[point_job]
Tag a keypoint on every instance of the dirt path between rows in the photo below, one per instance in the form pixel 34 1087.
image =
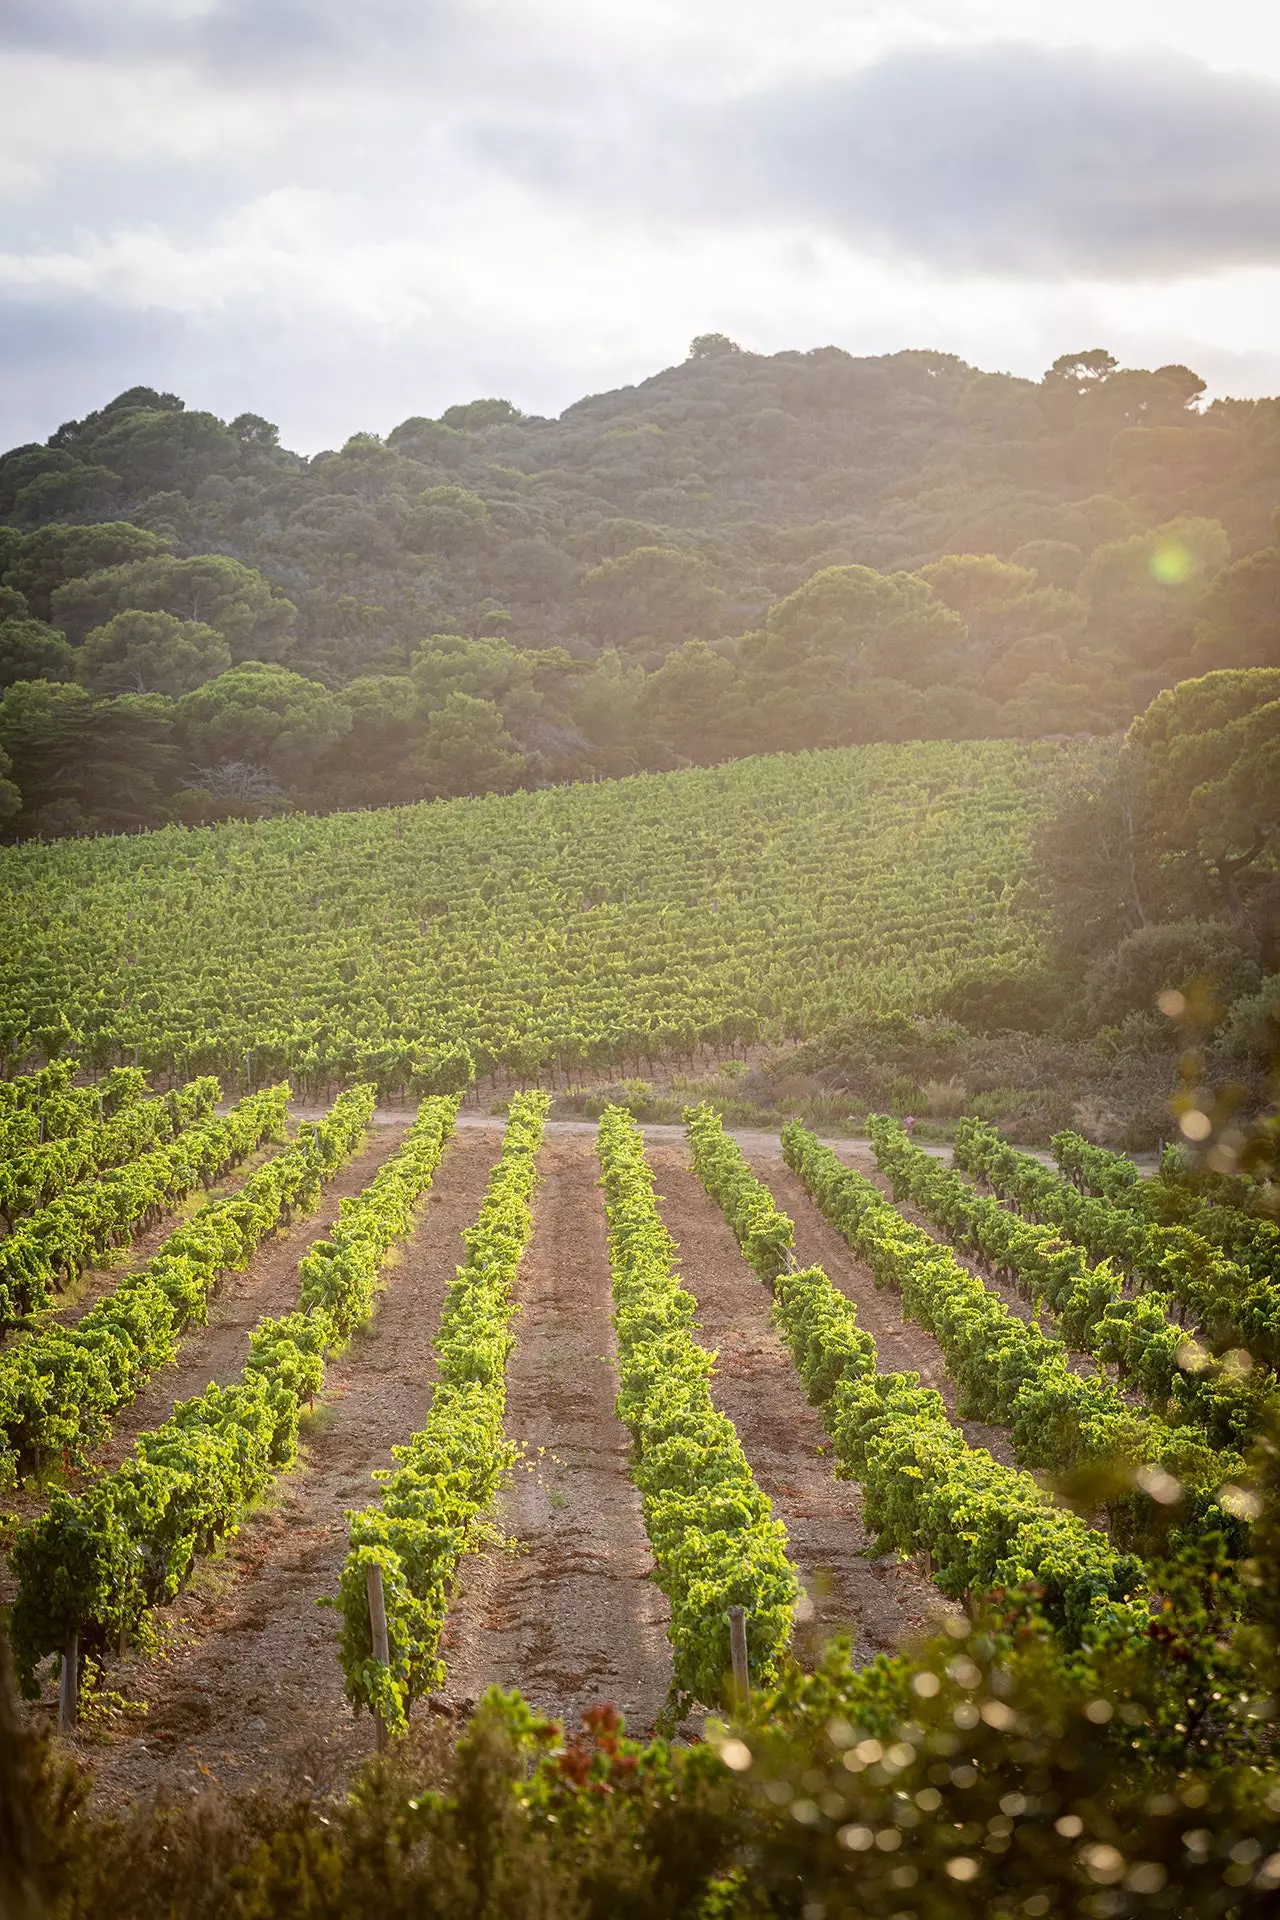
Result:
pixel 901 1344
pixel 570 1615
pixel 879 1602
pixel 252 1693
pixel 268 1285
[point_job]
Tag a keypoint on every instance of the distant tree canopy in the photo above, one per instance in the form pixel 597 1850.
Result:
pixel 708 346
pixel 744 552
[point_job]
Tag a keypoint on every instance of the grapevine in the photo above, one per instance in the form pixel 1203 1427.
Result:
pixel 982 1524
pixel 713 1534
pixel 99 1561
pixel 433 1501
pixel 1143 1337
pixel 1008 1371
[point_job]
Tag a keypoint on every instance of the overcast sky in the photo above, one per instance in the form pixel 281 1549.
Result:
pixel 342 212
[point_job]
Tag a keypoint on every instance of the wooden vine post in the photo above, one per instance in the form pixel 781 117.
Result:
pixel 738 1655
pixel 381 1645
pixel 68 1684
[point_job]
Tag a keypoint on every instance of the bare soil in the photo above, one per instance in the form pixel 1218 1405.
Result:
pixel 250 1689
pixel 568 1612
pixel 877 1601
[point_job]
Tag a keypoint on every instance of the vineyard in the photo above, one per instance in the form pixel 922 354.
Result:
pixel 314 1430
pixel 552 934
pixel 829 1417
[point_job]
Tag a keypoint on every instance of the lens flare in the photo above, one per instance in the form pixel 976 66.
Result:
pixel 1171 564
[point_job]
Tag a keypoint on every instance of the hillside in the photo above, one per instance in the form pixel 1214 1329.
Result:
pixel 576 931
pixel 741 554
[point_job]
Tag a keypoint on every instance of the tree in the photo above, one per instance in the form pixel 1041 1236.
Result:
pixel 1002 604
pixel 1056 563
pixel 44 731
pixel 1082 371
pixel 92 764
pixel 516 679
pixel 253 617
pixel 712 346
pixel 131 762
pixel 1210 754
pixel 853 623
pixel 10 797
pixel 1239 624
pixel 367 766
pixel 472 415
pixel 449 520
pixel 1094 854
pixel 686 696
pixel 139 652
pixel 266 715
pixel 1187 956
pixel 29 650
pixel 605 706
pixel 251 430
pixel 662 594
pixel 48 557
pixel 466 749
pixel 1184 382
pixel 1144 593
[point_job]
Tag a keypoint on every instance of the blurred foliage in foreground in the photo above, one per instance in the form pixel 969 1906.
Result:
pixel 984 1773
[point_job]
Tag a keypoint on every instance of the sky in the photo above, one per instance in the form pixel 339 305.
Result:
pixel 340 213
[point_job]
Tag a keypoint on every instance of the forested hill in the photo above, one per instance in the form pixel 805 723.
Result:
pixel 740 554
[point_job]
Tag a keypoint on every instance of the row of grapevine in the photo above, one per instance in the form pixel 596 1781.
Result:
pixel 32 1179
pixel 60 1387
pixel 448 1473
pixel 578 928
pixel 1142 1337
pixel 97 1562
pixel 36 1107
pixel 1226 1301
pixel 26 1092
pixel 1007 1370
pixel 1171 1201
pixel 75 1231
pixel 711 1527
pixel 983 1525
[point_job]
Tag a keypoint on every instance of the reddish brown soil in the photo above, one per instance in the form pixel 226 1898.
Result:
pixel 568 1613
pixel 878 1601
pixel 251 1691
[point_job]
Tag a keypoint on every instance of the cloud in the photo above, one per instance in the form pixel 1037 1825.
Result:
pixel 997 159
pixel 249 38
pixel 337 215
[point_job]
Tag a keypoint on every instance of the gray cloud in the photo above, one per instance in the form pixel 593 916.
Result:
pixel 1007 159
pixel 237 35
pixel 337 215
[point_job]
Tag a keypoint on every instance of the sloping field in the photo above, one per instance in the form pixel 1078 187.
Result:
pixel 591 927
